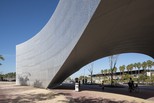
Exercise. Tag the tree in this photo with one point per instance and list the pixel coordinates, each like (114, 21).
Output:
(1, 58)
(138, 66)
(142, 77)
(131, 68)
(135, 66)
(82, 77)
(114, 69)
(128, 68)
(153, 64)
(149, 64)
(122, 69)
(109, 71)
(125, 77)
(102, 71)
(112, 63)
(144, 66)
(105, 72)
(91, 72)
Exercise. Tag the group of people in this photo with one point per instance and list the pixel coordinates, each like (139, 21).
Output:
(130, 84)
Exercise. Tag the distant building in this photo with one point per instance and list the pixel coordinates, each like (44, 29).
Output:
(116, 76)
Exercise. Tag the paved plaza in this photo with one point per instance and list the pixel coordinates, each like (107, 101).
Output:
(10, 93)
(93, 94)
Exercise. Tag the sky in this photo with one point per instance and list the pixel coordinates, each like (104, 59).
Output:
(22, 19)
(19, 21)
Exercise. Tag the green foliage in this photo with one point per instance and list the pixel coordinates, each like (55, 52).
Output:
(149, 64)
(138, 65)
(115, 69)
(144, 65)
(135, 65)
(152, 79)
(142, 77)
(83, 77)
(122, 68)
(1, 75)
(1, 58)
(8, 75)
(126, 76)
(102, 71)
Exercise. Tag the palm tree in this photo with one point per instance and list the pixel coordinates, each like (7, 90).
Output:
(1, 58)
(138, 66)
(123, 68)
(102, 71)
(149, 64)
(128, 68)
(144, 66)
(135, 66)
(131, 68)
(120, 68)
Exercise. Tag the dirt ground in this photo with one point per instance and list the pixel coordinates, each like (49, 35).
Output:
(11, 93)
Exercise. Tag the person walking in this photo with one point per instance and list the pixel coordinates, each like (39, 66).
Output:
(102, 85)
(131, 85)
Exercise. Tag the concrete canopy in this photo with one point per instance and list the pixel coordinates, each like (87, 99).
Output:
(118, 26)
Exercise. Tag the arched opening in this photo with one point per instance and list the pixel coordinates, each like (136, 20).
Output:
(103, 64)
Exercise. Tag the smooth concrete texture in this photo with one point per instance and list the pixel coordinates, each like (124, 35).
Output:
(39, 59)
(81, 31)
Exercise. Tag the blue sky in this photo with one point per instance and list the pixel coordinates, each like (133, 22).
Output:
(19, 21)
(22, 19)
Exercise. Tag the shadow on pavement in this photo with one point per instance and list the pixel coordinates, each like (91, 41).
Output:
(94, 100)
(143, 93)
(28, 98)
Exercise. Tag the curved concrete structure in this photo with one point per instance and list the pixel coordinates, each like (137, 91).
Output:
(81, 31)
